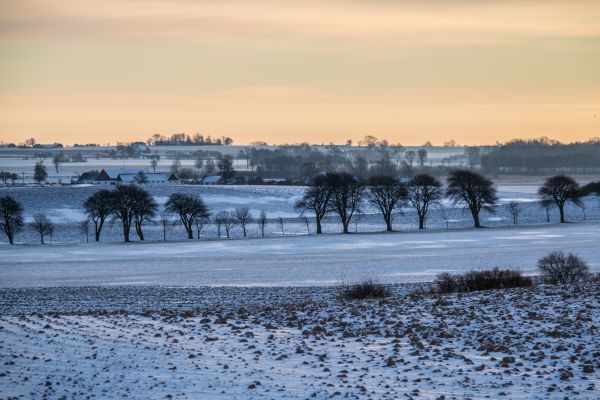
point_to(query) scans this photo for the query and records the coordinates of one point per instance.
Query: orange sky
(292, 71)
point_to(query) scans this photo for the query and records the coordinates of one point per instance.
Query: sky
(477, 72)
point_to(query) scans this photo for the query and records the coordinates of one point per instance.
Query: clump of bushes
(481, 280)
(366, 290)
(558, 268)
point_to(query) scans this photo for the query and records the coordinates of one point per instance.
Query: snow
(532, 343)
(295, 260)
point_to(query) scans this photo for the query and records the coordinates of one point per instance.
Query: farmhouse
(113, 176)
(212, 180)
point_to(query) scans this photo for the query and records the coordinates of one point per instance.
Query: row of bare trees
(345, 195)
(333, 193)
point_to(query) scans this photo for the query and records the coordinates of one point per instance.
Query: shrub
(556, 268)
(481, 280)
(366, 290)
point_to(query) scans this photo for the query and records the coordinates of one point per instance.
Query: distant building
(213, 180)
(115, 176)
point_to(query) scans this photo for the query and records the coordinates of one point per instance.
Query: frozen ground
(534, 343)
(295, 261)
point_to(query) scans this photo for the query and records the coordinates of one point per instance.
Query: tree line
(543, 155)
(337, 193)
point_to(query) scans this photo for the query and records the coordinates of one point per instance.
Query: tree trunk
(476, 219)
(561, 209)
(244, 229)
(97, 234)
(319, 230)
(138, 229)
(189, 232)
(388, 223)
(126, 233)
(421, 222)
(41, 238)
(345, 224)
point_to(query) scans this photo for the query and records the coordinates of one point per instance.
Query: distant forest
(542, 156)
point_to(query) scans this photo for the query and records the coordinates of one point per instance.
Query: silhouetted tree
(39, 172)
(472, 189)
(243, 218)
(11, 214)
(316, 199)
(346, 196)
(423, 190)
(229, 221)
(199, 224)
(410, 157)
(422, 154)
(515, 211)
(219, 220)
(42, 225)
(262, 222)
(559, 190)
(144, 210)
(189, 208)
(387, 194)
(98, 208)
(154, 158)
(84, 227)
(141, 178)
(124, 206)
(165, 222)
(226, 167)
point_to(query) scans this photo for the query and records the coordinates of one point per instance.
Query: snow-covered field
(534, 343)
(260, 318)
(64, 206)
(295, 261)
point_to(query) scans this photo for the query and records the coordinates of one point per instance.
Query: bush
(481, 280)
(556, 268)
(366, 290)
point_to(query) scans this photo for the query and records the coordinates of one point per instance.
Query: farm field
(295, 261)
(298, 343)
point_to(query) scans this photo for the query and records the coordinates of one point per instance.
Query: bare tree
(42, 225)
(410, 156)
(229, 222)
(11, 214)
(126, 207)
(140, 178)
(243, 218)
(472, 189)
(559, 190)
(422, 154)
(423, 191)
(347, 196)
(39, 172)
(165, 222)
(84, 227)
(262, 222)
(98, 207)
(219, 221)
(189, 208)
(558, 268)
(281, 226)
(316, 199)
(154, 158)
(515, 211)
(199, 224)
(144, 210)
(387, 194)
